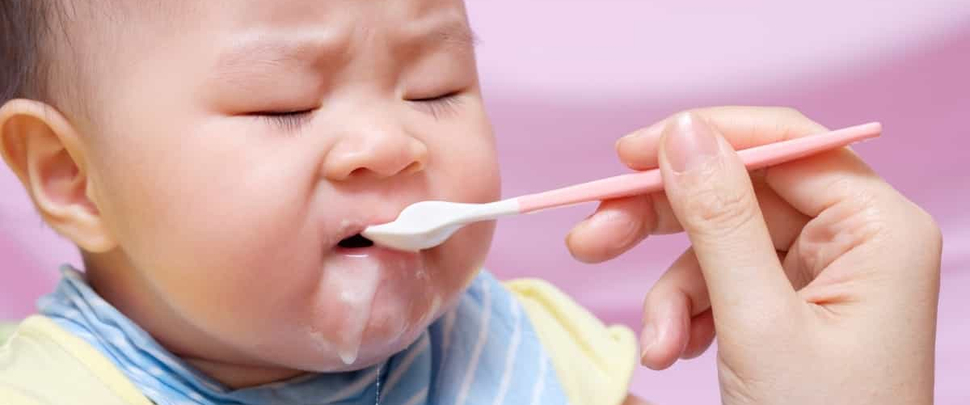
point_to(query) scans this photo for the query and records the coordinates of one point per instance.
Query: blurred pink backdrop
(565, 78)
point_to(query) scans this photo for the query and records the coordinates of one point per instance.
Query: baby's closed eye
(286, 120)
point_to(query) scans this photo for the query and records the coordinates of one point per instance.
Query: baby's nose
(378, 155)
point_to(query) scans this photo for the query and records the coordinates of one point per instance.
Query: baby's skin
(225, 152)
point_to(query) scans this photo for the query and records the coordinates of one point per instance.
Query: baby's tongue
(354, 285)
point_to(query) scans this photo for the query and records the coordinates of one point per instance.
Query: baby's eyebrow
(454, 34)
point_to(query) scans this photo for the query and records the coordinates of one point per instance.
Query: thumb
(711, 194)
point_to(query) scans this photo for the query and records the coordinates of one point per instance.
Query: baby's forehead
(446, 18)
(286, 28)
(278, 30)
(364, 15)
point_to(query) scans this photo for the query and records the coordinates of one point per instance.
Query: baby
(215, 162)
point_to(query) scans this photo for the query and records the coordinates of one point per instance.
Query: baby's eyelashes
(437, 106)
(288, 121)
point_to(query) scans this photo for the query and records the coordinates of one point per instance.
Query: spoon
(427, 224)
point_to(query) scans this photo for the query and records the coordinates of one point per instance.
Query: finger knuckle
(708, 113)
(865, 206)
(893, 224)
(870, 218)
(720, 210)
(928, 237)
(930, 229)
(790, 113)
(791, 123)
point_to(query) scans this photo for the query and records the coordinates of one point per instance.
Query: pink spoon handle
(650, 181)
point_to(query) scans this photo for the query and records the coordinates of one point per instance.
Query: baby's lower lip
(379, 254)
(357, 252)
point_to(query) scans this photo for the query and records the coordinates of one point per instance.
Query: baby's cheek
(461, 257)
(471, 177)
(231, 254)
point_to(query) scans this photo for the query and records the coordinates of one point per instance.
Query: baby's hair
(46, 47)
(24, 33)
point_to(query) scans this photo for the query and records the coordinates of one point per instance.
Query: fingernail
(648, 337)
(626, 139)
(655, 129)
(689, 143)
(652, 131)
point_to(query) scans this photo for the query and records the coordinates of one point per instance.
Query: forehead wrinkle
(266, 52)
(449, 26)
(450, 35)
(455, 35)
(261, 54)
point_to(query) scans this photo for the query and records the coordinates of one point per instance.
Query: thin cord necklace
(377, 395)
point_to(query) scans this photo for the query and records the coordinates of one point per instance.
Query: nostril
(360, 171)
(413, 168)
(356, 242)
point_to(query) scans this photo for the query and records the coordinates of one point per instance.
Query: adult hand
(820, 280)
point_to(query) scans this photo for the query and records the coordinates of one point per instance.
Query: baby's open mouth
(356, 242)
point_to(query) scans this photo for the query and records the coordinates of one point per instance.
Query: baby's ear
(48, 157)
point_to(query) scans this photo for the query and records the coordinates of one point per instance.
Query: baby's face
(238, 146)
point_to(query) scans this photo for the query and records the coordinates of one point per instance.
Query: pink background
(565, 78)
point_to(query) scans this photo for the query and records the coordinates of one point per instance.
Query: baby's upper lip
(351, 232)
(359, 224)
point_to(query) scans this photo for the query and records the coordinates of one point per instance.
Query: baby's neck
(238, 376)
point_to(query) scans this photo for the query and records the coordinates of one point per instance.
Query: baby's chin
(391, 327)
(398, 317)
(367, 308)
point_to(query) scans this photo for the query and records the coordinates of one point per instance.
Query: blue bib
(483, 352)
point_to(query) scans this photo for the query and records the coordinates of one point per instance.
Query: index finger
(742, 127)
